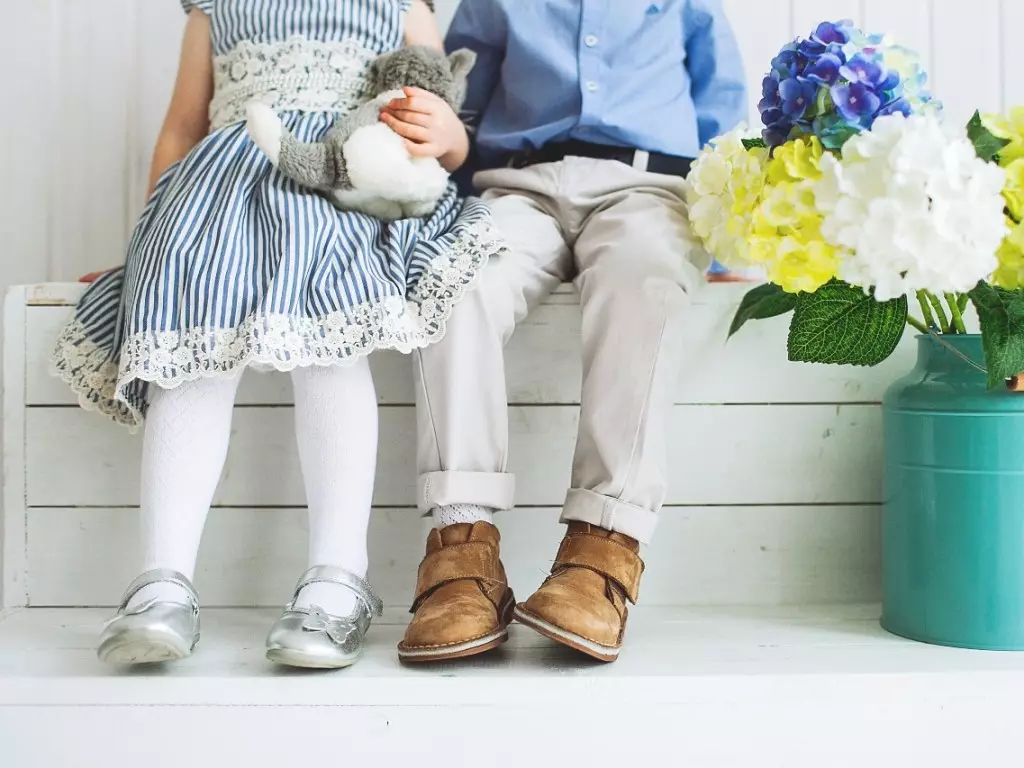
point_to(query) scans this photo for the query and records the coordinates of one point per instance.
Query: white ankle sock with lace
(452, 514)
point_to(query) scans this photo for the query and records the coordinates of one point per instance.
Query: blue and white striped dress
(232, 265)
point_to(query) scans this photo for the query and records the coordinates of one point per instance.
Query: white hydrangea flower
(722, 189)
(911, 206)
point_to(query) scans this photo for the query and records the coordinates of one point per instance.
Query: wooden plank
(761, 30)
(89, 182)
(717, 456)
(29, 136)
(13, 556)
(67, 294)
(157, 35)
(907, 21)
(966, 76)
(543, 363)
(693, 687)
(701, 556)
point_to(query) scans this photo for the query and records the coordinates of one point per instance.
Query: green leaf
(841, 325)
(1001, 315)
(986, 143)
(765, 301)
(749, 144)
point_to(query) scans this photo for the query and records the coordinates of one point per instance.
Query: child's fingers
(407, 131)
(413, 118)
(418, 93)
(415, 103)
(421, 150)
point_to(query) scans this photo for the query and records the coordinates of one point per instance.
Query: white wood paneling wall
(85, 86)
(82, 95)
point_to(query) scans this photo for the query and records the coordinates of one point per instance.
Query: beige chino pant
(624, 237)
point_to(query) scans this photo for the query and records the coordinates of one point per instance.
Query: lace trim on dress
(281, 342)
(298, 74)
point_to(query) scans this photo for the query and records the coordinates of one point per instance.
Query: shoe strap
(330, 574)
(605, 557)
(471, 560)
(160, 576)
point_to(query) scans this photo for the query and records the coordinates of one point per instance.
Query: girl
(232, 266)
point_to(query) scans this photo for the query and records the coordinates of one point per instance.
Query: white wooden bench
(775, 473)
(756, 643)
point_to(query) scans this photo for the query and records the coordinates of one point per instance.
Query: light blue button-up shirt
(658, 75)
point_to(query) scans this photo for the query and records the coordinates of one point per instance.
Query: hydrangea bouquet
(858, 200)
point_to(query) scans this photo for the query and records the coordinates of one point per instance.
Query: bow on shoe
(319, 620)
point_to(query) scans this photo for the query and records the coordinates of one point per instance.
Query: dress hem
(272, 341)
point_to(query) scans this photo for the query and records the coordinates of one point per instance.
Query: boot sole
(561, 636)
(463, 650)
(143, 647)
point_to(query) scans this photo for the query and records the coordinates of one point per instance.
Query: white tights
(186, 444)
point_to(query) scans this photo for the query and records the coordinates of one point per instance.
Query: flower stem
(916, 324)
(954, 310)
(926, 310)
(940, 313)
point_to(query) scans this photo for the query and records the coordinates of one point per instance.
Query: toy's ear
(462, 61)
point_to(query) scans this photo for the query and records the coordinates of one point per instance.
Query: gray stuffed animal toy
(361, 163)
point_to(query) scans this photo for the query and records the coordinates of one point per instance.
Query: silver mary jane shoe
(155, 631)
(314, 639)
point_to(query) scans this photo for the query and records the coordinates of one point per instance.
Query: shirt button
(592, 86)
(591, 41)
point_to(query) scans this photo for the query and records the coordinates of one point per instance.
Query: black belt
(652, 162)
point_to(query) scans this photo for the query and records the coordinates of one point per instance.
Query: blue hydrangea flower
(830, 33)
(856, 101)
(797, 97)
(899, 105)
(836, 82)
(825, 71)
(788, 63)
(811, 49)
(770, 97)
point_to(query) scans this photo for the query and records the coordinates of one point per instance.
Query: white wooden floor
(798, 686)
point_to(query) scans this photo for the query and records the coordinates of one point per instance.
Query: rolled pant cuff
(611, 514)
(494, 490)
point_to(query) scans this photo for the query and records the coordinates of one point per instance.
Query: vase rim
(948, 350)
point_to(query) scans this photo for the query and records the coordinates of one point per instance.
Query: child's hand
(429, 126)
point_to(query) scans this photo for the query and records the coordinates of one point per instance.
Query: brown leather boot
(582, 604)
(463, 603)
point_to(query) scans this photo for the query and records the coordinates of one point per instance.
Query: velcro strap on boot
(475, 560)
(606, 557)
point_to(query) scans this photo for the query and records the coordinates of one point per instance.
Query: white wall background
(84, 84)
(83, 89)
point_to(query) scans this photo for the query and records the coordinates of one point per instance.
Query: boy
(584, 115)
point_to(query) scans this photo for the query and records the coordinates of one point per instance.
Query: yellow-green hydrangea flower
(1011, 128)
(722, 189)
(1013, 191)
(786, 227)
(1010, 272)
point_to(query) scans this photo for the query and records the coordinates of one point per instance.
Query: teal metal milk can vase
(953, 527)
